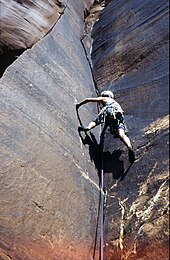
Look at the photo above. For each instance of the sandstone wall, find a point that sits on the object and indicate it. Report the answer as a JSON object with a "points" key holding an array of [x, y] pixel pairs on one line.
{"points": [[130, 57], [49, 186], [49, 183]]}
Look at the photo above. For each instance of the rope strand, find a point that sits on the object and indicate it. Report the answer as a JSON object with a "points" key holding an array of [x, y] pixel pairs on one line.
{"points": [[102, 199]]}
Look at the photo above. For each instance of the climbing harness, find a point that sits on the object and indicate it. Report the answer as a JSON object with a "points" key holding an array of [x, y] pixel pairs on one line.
{"points": [[112, 116], [112, 111]]}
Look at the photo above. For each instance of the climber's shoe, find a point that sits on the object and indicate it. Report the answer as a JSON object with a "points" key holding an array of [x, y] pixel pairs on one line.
{"points": [[131, 156], [82, 128]]}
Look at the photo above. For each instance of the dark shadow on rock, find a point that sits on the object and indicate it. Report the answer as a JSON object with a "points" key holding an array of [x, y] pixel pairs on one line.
{"points": [[95, 149], [111, 161], [7, 57], [113, 164]]}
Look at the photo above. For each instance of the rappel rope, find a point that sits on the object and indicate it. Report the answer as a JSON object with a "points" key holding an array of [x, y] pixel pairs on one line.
{"points": [[102, 200], [102, 218]]}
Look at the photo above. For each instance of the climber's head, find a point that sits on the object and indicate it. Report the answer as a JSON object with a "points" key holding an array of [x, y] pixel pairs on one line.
{"points": [[107, 93]]}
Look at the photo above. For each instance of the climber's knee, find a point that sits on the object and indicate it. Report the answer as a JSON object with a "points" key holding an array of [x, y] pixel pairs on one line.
{"points": [[121, 133], [91, 125]]}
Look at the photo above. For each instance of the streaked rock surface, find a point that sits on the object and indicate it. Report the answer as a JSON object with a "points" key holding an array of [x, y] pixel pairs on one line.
{"points": [[130, 57], [49, 186], [24, 22], [49, 183]]}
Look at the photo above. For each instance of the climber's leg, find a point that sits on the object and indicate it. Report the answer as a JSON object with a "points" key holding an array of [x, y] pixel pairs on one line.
{"points": [[125, 139]]}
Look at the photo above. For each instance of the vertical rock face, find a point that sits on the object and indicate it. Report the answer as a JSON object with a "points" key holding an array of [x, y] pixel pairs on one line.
{"points": [[49, 186], [130, 57]]}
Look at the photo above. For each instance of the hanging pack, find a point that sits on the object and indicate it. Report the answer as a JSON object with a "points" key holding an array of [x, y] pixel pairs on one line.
{"points": [[113, 111]]}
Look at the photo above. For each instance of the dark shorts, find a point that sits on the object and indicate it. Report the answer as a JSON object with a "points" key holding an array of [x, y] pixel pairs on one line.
{"points": [[113, 124], [122, 126]]}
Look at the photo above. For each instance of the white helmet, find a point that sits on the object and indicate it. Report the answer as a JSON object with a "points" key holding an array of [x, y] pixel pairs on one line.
{"points": [[107, 93]]}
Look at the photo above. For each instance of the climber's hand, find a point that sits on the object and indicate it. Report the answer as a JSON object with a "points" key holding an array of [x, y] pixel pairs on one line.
{"points": [[77, 106]]}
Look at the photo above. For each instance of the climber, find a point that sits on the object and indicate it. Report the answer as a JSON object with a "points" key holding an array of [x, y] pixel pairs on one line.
{"points": [[111, 115]]}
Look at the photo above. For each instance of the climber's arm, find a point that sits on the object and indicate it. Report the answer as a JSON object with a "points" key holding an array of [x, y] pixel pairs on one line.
{"points": [[87, 100]]}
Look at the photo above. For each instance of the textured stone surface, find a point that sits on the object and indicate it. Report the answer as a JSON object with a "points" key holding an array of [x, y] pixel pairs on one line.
{"points": [[49, 186], [130, 57], [24, 22]]}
